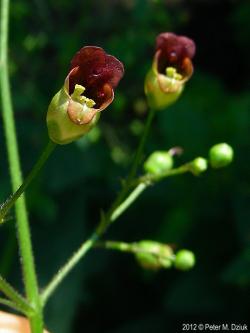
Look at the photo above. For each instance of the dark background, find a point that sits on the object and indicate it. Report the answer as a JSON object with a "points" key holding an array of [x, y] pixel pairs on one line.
{"points": [[108, 292]]}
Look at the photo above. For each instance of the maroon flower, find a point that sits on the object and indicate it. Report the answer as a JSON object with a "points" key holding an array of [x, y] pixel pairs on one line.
{"points": [[88, 89], [174, 51], [99, 73], [172, 67]]}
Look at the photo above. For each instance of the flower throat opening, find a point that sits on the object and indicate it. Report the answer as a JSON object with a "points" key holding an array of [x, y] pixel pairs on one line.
{"points": [[78, 97], [172, 73]]}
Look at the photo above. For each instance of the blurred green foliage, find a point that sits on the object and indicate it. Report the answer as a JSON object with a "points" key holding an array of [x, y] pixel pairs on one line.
{"points": [[108, 292]]}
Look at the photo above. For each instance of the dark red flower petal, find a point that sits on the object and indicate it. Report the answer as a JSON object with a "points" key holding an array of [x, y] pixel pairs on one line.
{"points": [[95, 69], [174, 50]]}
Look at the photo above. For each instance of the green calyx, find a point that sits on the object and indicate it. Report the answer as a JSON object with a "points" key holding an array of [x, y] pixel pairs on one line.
{"points": [[153, 255], [162, 91], [61, 128], [158, 162]]}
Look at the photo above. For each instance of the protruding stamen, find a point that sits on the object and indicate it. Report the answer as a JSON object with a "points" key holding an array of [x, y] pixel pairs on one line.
{"points": [[172, 73], [77, 96]]}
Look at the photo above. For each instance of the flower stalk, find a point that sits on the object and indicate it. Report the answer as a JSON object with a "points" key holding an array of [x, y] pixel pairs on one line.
{"points": [[6, 206], [105, 221], [17, 301], [119, 206]]}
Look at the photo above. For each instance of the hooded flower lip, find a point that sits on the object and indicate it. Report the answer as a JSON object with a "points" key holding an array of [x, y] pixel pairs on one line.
{"points": [[98, 74], [172, 60]]}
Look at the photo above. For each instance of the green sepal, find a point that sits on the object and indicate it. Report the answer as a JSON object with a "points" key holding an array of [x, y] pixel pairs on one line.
{"points": [[153, 255], [159, 99]]}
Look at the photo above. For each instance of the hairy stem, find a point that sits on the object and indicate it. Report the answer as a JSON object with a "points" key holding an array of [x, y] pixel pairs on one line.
{"points": [[79, 254], [16, 299], [6, 206], [130, 248], [139, 152], [23, 230], [119, 206], [151, 178], [70, 264], [127, 202]]}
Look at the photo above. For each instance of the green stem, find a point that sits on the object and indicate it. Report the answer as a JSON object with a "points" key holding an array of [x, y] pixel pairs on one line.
{"points": [[119, 206], [11, 305], [5, 207], [79, 254], [23, 230], [20, 302], [139, 151], [137, 159], [131, 248], [70, 264], [126, 203], [115, 245], [151, 178], [142, 183]]}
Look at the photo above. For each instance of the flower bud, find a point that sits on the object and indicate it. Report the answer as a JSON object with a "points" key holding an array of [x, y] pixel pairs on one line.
{"points": [[198, 165], [184, 260], [88, 89], [153, 255], [158, 162], [172, 67], [220, 155]]}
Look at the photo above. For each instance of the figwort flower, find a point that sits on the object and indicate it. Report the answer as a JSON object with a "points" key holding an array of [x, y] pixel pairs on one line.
{"points": [[88, 89], [172, 67]]}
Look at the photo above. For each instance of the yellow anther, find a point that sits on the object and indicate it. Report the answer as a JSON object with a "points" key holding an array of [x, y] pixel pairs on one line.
{"points": [[178, 76], [77, 96], [172, 73]]}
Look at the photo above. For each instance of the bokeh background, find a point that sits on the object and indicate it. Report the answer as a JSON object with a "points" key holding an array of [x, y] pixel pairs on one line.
{"points": [[108, 292]]}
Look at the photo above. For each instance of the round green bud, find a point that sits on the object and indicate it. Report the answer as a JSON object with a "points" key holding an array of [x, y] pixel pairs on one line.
{"points": [[158, 162], [220, 155], [184, 260], [198, 165], [153, 255]]}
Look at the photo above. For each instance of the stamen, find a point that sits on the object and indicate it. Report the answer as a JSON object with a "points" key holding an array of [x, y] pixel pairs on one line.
{"points": [[77, 96], [172, 73]]}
